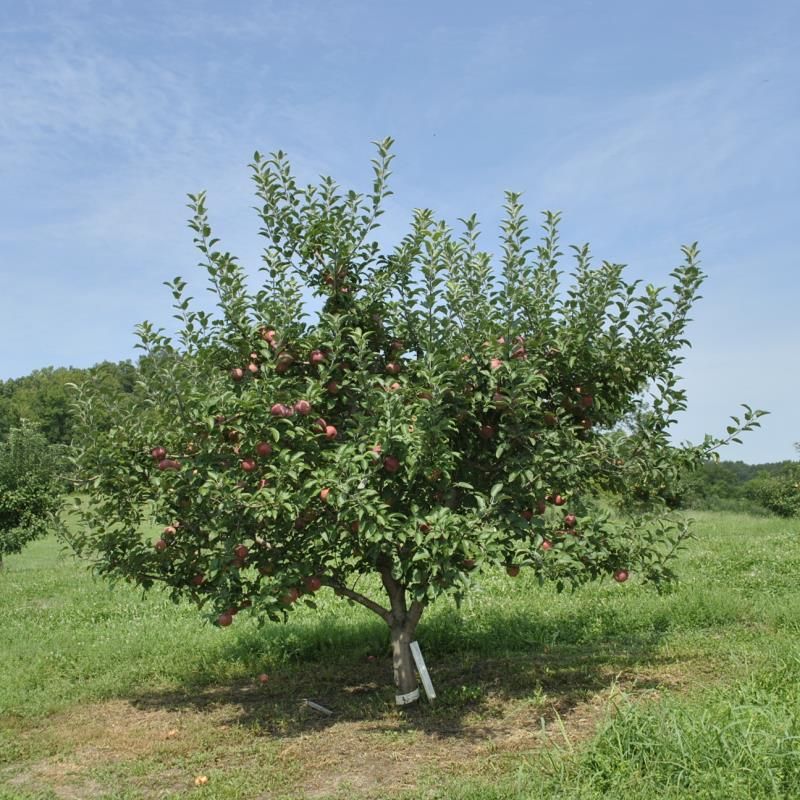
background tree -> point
(777, 492)
(30, 487)
(440, 414)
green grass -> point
(613, 691)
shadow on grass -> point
(480, 668)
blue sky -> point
(648, 124)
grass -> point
(612, 691)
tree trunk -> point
(405, 678)
(402, 622)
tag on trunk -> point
(405, 699)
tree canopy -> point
(445, 411)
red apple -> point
(586, 424)
(158, 453)
(170, 530)
(570, 520)
(558, 500)
(550, 419)
(332, 387)
(237, 373)
(496, 363)
(541, 507)
(323, 495)
(252, 368)
(621, 575)
(267, 334)
(396, 346)
(587, 400)
(468, 564)
(527, 515)
(487, 432)
(160, 545)
(247, 464)
(499, 400)
(391, 464)
(266, 569)
(316, 357)
(263, 678)
(285, 360)
(312, 583)
(330, 432)
(512, 570)
(169, 465)
(320, 425)
(290, 597)
(424, 527)
(393, 368)
(198, 580)
(224, 619)
(302, 407)
(262, 483)
(241, 551)
(547, 545)
(263, 449)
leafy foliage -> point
(442, 412)
(30, 488)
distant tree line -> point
(44, 398)
(734, 485)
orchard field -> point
(611, 691)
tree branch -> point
(357, 597)
(414, 614)
(396, 592)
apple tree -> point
(419, 413)
(30, 487)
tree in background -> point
(443, 413)
(30, 487)
(778, 493)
